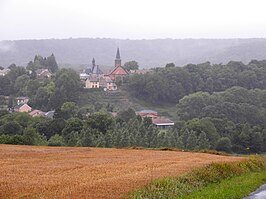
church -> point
(118, 71)
(94, 77)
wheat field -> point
(73, 172)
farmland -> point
(71, 172)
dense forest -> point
(149, 53)
(219, 107)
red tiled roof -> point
(119, 70)
(162, 121)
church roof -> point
(97, 70)
(119, 70)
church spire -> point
(117, 58)
(117, 54)
(93, 62)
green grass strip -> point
(198, 179)
(233, 188)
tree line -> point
(170, 84)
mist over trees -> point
(148, 53)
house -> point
(22, 100)
(107, 83)
(92, 82)
(118, 71)
(100, 82)
(4, 72)
(36, 113)
(43, 74)
(147, 113)
(162, 122)
(22, 108)
(49, 114)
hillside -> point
(52, 172)
(149, 53)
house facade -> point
(43, 74)
(4, 72)
(37, 113)
(92, 82)
(22, 100)
(22, 108)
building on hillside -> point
(162, 122)
(147, 113)
(107, 84)
(100, 82)
(118, 71)
(22, 108)
(4, 72)
(22, 100)
(49, 114)
(43, 74)
(36, 113)
(93, 77)
(92, 82)
(93, 70)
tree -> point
(67, 88)
(170, 65)
(126, 115)
(68, 110)
(56, 140)
(32, 137)
(191, 140)
(131, 65)
(224, 144)
(51, 64)
(101, 122)
(12, 128)
(203, 142)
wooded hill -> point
(148, 53)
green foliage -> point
(235, 104)
(235, 187)
(101, 121)
(32, 137)
(224, 144)
(194, 181)
(125, 116)
(131, 65)
(56, 140)
(43, 63)
(170, 65)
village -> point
(91, 77)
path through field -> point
(54, 172)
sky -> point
(132, 19)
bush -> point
(56, 140)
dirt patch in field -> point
(65, 172)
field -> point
(53, 172)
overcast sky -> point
(132, 19)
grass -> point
(235, 187)
(206, 179)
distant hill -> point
(149, 53)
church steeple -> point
(93, 62)
(117, 58)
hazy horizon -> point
(134, 20)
